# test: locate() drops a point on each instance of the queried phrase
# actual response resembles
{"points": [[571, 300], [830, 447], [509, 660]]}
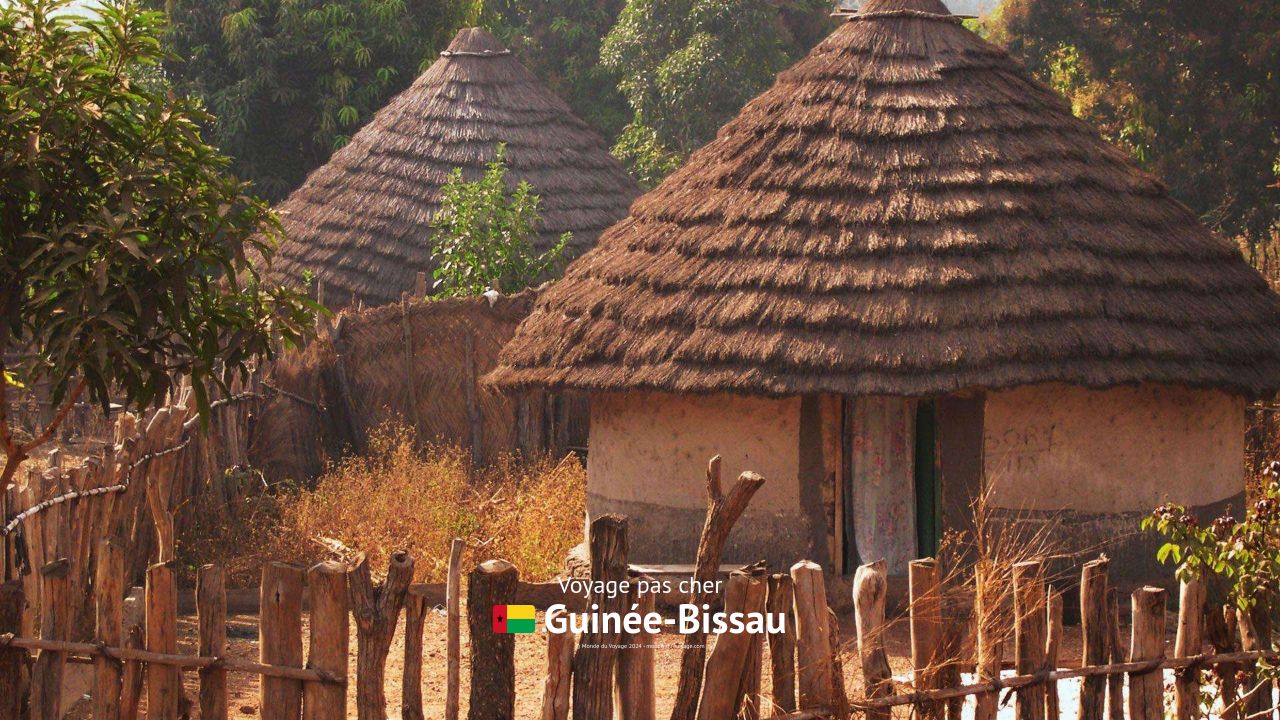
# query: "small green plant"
{"points": [[483, 235]]}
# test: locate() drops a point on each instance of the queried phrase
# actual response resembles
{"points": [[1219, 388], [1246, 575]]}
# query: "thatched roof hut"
{"points": [[909, 260], [361, 223]]}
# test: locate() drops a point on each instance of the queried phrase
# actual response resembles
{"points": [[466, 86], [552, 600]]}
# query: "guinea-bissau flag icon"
{"points": [[514, 619]]}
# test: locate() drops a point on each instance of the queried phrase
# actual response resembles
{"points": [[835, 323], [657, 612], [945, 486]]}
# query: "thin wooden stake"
{"points": [[108, 592], [1116, 653], [782, 645], [453, 631], [991, 631], [556, 689], [330, 640], [211, 615], [1093, 632], [926, 629], [1029, 634], [636, 688], [870, 587], [813, 637], [723, 680], [723, 510], [12, 660], [593, 664], [415, 615], [1190, 641], [280, 639], [134, 676], [838, 691], [1146, 689], [493, 660], [1052, 645], [46, 676]]}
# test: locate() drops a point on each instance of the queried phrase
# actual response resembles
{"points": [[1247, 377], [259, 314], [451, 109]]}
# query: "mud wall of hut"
{"points": [[418, 363]]}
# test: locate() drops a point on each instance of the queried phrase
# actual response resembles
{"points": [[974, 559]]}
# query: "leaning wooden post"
{"points": [[329, 642], [870, 586], [46, 675], [723, 680], [453, 631], [782, 645], [376, 610], [1029, 634], [593, 664], [280, 639], [991, 633], [134, 676], [211, 616], [1053, 644], [1146, 688], [636, 687], [838, 690], [723, 510], [108, 593], [493, 659], [555, 692], [1190, 642], [1093, 632], [415, 615], [813, 641], [11, 659], [926, 629], [1115, 651]]}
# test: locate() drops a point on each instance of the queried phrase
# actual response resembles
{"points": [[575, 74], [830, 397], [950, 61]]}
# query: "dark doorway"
{"points": [[928, 481]]}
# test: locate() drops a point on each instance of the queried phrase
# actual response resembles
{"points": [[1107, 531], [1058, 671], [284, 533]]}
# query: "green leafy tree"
{"points": [[483, 235], [1191, 91], [559, 41], [124, 241], [291, 80], [688, 66]]}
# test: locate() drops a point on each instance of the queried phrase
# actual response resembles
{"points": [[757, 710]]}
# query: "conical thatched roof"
{"points": [[361, 222], [905, 212]]}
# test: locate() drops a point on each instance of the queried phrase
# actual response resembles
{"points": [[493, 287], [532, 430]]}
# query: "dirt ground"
{"points": [[530, 665]]}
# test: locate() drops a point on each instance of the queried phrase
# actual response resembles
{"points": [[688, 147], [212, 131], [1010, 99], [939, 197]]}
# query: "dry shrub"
{"points": [[402, 497]]}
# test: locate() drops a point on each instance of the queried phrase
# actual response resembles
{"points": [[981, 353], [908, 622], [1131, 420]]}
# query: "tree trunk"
{"points": [[376, 610]]}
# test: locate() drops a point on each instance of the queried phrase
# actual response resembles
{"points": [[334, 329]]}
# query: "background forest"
{"points": [[1190, 91]]}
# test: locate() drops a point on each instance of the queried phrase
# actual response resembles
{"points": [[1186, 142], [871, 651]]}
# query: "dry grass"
{"points": [[400, 496]]}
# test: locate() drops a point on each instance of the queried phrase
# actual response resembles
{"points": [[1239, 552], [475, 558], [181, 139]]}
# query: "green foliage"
{"points": [[688, 66], [1191, 91], [123, 239], [559, 41], [1239, 558], [483, 235], [291, 80]]}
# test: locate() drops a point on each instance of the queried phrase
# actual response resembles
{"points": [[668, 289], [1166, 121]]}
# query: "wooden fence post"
{"points": [[131, 681], [1222, 631], [1053, 644], [1255, 635], [723, 510], [280, 639], [723, 677], [453, 631], [376, 610], [635, 688], [991, 631], [782, 645], [926, 629], [813, 641], [1146, 689], [593, 664], [870, 586], [1116, 654], [1093, 633], [11, 659], [555, 693], [211, 618], [329, 641], [46, 676], [415, 615], [838, 690], [164, 682], [493, 664], [1190, 641], [1029, 634], [108, 592]]}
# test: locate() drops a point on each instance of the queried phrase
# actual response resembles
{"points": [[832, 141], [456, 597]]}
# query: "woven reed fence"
{"points": [[419, 362]]}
